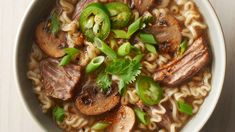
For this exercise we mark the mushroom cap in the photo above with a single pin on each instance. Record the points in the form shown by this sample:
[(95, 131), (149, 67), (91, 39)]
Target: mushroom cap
[(123, 120), (92, 101), (167, 31), (50, 44)]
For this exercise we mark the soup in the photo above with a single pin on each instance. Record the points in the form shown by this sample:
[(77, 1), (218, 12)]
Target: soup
[(121, 65)]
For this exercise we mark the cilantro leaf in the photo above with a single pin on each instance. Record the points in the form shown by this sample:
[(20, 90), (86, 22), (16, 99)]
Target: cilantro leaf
[(126, 70), (55, 22), (103, 81), (58, 114)]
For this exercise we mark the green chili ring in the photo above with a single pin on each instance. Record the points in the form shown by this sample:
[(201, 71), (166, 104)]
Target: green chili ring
[(120, 14), (95, 22), (149, 91)]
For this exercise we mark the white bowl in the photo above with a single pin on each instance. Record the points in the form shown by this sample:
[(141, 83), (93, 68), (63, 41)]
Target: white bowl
[(39, 9)]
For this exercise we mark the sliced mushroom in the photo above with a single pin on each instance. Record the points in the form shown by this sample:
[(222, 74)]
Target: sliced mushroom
[(143, 5), (167, 31), (51, 44), (80, 6), (59, 82), (92, 101), (123, 120)]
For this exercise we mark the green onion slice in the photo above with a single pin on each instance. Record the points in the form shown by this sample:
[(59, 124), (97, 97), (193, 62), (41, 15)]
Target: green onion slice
[(103, 47), (148, 38), (142, 116), (100, 126), (134, 27), (58, 114), (138, 58), (185, 108), (183, 47), (151, 48), (95, 64), (65, 60), (120, 34), (71, 51), (124, 49)]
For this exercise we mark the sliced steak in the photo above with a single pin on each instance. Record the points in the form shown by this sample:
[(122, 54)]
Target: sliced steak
[(59, 82), (80, 6), (185, 67), (92, 101), (167, 31)]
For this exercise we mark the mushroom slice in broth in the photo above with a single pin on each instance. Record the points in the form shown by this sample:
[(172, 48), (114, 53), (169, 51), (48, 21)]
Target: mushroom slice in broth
[(92, 101)]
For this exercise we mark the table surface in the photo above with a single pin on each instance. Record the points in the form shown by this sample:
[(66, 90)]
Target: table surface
[(13, 116)]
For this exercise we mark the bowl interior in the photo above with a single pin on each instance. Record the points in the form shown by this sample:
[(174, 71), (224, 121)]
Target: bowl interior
[(40, 8)]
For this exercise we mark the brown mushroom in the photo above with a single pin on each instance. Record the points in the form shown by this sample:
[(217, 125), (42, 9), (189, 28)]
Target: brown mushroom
[(92, 101), (167, 31), (142, 5), (59, 82), (50, 44), (122, 121)]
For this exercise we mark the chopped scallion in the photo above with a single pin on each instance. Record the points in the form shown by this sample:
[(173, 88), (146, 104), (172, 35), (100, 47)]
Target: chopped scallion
[(100, 126), (65, 60), (134, 27), (103, 47), (71, 53), (151, 48), (142, 116), (124, 49), (185, 108), (120, 34), (94, 64), (183, 47), (148, 38)]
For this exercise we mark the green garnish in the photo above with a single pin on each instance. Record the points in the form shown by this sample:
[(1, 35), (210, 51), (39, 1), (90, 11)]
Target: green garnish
[(100, 126), (103, 81), (125, 70), (120, 34), (151, 48), (148, 38), (124, 49), (184, 107), (183, 47), (58, 114), (55, 22), (103, 47), (134, 27), (70, 54), (142, 116), (148, 90), (94, 64)]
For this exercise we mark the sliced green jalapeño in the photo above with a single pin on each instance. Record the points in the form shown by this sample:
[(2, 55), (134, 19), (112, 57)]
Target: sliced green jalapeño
[(120, 14), (95, 22), (148, 90)]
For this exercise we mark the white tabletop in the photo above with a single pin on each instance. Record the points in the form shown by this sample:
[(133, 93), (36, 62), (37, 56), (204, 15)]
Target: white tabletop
[(13, 116)]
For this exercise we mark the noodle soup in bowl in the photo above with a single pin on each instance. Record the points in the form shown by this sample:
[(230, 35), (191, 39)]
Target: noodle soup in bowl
[(81, 65)]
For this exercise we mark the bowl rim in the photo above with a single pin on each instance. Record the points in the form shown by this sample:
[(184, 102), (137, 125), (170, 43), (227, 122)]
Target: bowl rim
[(41, 127)]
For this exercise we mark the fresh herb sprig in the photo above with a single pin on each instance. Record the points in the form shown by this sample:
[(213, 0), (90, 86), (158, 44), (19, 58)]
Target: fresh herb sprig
[(125, 70)]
